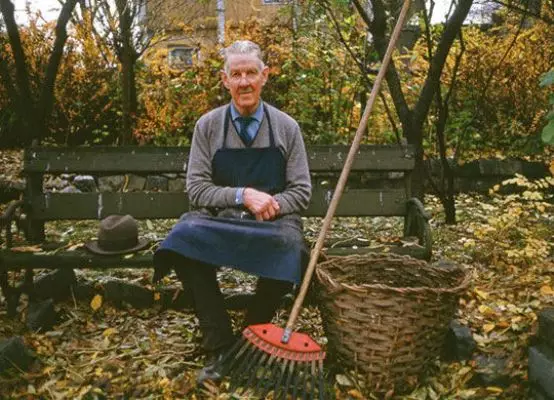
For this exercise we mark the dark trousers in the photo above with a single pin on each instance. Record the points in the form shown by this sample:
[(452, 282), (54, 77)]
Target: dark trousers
[(215, 323)]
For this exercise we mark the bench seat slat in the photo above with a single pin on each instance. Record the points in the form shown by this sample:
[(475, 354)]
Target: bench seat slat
[(157, 160), (160, 205)]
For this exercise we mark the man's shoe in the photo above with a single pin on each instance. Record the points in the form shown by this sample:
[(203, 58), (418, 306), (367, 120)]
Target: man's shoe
[(213, 367)]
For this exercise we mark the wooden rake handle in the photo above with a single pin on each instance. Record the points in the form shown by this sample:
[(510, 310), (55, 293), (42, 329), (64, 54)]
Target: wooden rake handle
[(344, 175)]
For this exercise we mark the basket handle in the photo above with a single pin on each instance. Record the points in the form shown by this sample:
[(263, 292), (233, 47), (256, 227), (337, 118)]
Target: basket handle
[(344, 175)]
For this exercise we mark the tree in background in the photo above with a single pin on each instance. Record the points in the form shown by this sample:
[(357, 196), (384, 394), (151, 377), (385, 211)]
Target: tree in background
[(32, 109)]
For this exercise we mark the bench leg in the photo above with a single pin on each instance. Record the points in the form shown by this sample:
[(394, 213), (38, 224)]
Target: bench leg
[(10, 293), (416, 223)]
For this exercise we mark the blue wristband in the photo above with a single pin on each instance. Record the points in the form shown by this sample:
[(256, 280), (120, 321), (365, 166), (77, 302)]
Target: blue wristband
[(238, 196)]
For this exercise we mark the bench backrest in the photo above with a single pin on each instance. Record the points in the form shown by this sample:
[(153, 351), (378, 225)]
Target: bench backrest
[(372, 164)]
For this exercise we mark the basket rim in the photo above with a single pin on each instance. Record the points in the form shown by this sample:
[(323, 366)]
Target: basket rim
[(325, 278)]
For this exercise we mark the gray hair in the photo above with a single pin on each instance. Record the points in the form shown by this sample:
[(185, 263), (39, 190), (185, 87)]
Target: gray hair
[(242, 47)]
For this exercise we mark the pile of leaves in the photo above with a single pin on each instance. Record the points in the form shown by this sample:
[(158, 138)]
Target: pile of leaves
[(505, 240)]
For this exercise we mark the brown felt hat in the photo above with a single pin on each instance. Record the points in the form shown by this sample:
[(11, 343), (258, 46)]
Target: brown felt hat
[(117, 234)]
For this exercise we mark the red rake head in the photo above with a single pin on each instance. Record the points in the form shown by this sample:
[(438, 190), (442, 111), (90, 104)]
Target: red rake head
[(267, 338)]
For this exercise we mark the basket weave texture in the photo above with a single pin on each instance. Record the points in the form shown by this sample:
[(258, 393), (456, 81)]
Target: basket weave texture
[(386, 315)]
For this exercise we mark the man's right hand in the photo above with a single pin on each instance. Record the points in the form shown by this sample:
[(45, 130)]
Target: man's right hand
[(261, 204)]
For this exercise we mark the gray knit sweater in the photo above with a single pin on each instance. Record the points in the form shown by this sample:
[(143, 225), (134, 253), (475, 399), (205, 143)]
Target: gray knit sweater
[(208, 138)]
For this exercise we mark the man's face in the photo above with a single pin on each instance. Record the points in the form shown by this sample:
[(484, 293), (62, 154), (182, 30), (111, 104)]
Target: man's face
[(244, 81)]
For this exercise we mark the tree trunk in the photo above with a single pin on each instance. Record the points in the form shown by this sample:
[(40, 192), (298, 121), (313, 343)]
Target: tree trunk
[(413, 120), (127, 59), (24, 103), (46, 100)]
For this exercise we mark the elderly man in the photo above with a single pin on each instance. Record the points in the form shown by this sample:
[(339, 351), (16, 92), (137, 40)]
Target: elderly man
[(247, 181)]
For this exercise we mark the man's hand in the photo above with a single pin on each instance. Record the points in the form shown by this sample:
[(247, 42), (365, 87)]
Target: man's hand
[(261, 204)]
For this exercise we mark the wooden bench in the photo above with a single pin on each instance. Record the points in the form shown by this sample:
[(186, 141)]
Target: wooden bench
[(379, 186)]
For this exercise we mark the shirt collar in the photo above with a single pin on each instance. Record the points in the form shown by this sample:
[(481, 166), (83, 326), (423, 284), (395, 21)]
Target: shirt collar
[(257, 115)]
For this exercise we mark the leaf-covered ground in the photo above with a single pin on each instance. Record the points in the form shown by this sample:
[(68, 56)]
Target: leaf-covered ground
[(99, 351)]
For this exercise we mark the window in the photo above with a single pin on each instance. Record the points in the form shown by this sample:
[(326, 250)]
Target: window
[(180, 57)]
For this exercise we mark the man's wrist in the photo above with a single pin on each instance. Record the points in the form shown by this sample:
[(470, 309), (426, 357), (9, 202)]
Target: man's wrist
[(239, 196)]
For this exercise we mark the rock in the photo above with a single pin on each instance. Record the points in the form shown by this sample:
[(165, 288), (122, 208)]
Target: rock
[(536, 393), (55, 285), (541, 369), (55, 184), (70, 189), (41, 316), (135, 183), (112, 183), (459, 344), (14, 355), (490, 371), (157, 183), (119, 292), (84, 290), (446, 264), (85, 183), (546, 327), (177, 185)]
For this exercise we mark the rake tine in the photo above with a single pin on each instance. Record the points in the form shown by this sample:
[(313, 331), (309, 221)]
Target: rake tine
[(245, 346), (275, 374), (305, 380), (289, 378), (256, 360), (312, 379), (266, 379), (231, 351), (283, 371), (320, 379), (239, 369), (297, 380)]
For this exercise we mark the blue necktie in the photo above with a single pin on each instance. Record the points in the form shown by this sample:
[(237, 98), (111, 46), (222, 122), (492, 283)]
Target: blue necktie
[(243, 133)]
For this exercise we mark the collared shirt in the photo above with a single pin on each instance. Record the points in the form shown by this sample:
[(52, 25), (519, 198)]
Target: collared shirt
[(254, 126), (252, 130)]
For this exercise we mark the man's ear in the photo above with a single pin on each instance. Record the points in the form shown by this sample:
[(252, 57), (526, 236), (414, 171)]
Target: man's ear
[(224, 78), (265, 74)]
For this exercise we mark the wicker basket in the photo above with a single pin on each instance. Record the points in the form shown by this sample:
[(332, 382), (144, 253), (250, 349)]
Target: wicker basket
[(386, 315)]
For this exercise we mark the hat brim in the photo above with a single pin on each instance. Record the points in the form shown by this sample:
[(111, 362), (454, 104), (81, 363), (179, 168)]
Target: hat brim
[(93, 247)]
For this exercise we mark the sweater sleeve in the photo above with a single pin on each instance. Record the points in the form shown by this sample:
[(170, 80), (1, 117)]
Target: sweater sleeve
[(296, 196), (201, 190)]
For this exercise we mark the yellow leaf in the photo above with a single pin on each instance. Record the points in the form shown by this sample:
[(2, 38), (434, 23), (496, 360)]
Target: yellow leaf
[(355, 394), (488, 327), (494, 389), (552, 167), (486, 310), (482, 294), (110, 331), (546, 290), (157, 296), (96, 302)]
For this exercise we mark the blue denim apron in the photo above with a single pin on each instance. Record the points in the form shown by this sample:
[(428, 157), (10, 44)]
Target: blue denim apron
[(271, 249)]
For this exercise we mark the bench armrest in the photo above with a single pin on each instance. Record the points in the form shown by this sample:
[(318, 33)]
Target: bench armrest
[(416, 223), (7, 218)]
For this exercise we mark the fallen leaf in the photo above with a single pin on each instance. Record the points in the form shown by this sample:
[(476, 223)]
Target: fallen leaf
[(482, 294), (546, 290), (355, 394), (494, 389), (96, 302), (488, 327), (157, 296), (26, 249), (110, 331), (486, 310)]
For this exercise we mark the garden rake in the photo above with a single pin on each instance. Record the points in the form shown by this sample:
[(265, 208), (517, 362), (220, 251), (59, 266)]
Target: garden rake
[(277, 359)]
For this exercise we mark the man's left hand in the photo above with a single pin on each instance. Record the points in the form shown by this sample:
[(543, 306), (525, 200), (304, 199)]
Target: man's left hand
[(262, 205)]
